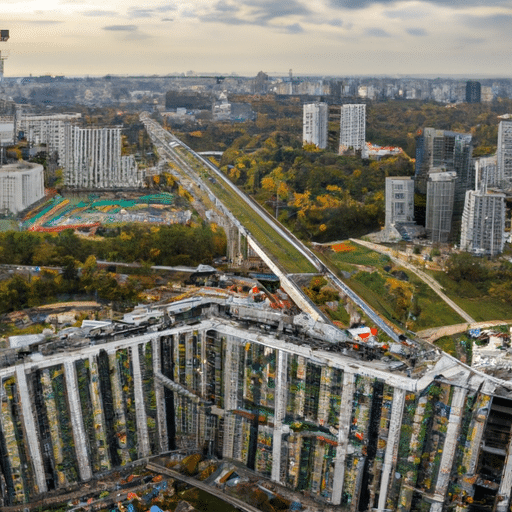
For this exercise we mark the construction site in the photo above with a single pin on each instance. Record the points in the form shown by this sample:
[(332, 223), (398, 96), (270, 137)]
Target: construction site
[(297, 402)]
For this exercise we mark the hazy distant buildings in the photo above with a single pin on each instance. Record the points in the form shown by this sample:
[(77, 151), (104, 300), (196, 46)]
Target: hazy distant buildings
[(352, 128), (261, 83), (315, 124), (6, 130), (440, 200), (487, 94), (473, 92), (483, 222), (504, 154), (93, 159), (21, 185)]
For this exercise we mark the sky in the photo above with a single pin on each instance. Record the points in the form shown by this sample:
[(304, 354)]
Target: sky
[(311, 37)]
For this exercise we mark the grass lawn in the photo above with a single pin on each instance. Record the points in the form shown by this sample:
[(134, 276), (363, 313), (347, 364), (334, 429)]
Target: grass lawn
[(481, 307), (282, 252), (358, 256), (447, 344), (434, 312), (341, 314)]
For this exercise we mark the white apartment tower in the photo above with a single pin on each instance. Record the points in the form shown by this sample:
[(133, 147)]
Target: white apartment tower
[(399, 200), (483, 222), (46, 129), (504, 154), (486, 172), (21, 185), (315, 124), (93, 159), (352, 128)]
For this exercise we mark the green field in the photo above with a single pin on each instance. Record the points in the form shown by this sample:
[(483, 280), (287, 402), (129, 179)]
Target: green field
[(359, 256), (481, 308), (434, 312), (8, 225)]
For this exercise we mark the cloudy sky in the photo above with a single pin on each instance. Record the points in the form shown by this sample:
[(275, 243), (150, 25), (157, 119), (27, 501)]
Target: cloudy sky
[(331, 37)]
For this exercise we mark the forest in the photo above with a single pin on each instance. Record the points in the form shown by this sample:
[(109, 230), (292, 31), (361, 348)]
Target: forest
[(317, 193), (159, 245)]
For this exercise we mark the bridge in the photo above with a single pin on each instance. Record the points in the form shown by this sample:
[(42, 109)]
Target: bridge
[(218, 185)]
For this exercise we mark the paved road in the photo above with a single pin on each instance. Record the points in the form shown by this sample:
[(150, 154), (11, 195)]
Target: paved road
[(235, 502)]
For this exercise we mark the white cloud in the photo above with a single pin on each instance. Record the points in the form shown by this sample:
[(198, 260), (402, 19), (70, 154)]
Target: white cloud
[(311, 36)]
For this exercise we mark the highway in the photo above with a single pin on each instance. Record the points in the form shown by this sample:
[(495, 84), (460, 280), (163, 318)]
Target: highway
[(167, 142)]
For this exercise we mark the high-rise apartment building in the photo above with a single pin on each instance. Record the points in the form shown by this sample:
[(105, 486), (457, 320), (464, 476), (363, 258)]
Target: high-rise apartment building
[(352, 128), (483, 222), (504, 154), (448, 150), (440, 200), (486, 172), (440, 150), (93, 159), (315, 124), (21, 185), (399, 200), (473, 92), (46, 129)]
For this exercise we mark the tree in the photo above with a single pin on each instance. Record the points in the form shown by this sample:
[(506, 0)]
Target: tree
[(70, 273)]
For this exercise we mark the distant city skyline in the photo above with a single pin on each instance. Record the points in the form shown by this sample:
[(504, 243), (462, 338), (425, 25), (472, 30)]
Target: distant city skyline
[(323, 37)]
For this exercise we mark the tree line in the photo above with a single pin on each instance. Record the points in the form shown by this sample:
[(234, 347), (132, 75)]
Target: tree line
[(319, 194), (77, 258)]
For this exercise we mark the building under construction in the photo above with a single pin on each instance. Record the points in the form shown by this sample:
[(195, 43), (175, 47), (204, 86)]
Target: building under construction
[(93, 159), (294, 400)]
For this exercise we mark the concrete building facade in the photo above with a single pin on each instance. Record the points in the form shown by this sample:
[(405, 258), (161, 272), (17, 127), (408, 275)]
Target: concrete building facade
[(504, 154), (486, 172), (315, 124), (450, 151), (483, 223), (93, 159), (235, 382), (21, 185), (46, 129), (399, 200), (352, 128), (440, 196)]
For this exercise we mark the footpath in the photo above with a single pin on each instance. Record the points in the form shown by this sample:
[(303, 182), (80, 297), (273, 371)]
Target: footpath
[(429, 280)]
